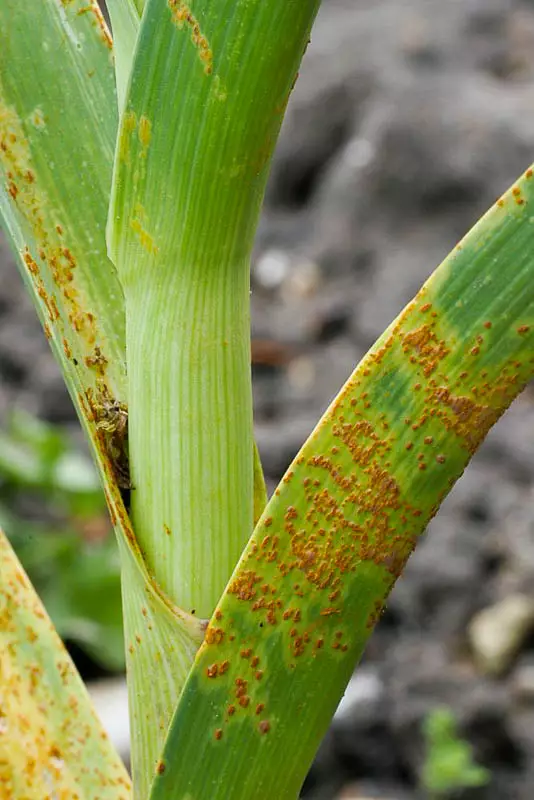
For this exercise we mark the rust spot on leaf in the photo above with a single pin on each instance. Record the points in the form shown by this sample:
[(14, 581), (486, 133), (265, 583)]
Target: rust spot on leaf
[(183, 16)]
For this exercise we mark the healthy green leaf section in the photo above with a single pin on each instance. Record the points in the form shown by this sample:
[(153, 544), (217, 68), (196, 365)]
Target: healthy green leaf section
[(183, 217), (315, 576), (51, 742), (260, 489), (125, 18)]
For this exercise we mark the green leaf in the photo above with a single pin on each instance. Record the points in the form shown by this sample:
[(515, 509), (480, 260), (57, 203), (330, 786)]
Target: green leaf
[(58, 124), (449, 762), (125, 18), (51, 742), (260, 489), (315, 576)]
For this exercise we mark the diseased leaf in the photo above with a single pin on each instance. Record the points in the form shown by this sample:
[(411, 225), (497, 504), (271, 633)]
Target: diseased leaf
[(315, 576), (51, 743), (58, 123)]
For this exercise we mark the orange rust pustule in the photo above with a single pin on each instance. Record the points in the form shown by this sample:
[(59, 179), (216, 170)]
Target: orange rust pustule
[(15, 155), (97, 362), (98, 22), (214, 635), (470, 421), (427, 348), (244, 585), (182, 15)]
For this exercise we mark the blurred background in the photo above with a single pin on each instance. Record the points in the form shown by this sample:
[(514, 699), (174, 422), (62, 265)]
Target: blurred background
[(409, 119)]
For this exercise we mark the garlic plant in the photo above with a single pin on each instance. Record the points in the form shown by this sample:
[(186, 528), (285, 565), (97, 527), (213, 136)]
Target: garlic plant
[(132, 178)]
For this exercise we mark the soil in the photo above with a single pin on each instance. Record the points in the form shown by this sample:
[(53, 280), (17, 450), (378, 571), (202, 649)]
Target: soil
[(409, 119)]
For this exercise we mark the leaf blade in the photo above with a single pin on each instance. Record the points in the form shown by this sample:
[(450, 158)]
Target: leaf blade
[(57, 136), (125, 20), (50, 738)]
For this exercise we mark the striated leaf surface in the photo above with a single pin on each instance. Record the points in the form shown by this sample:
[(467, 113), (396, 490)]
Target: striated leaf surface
[(182, 220), (209, 85), (125, 18)]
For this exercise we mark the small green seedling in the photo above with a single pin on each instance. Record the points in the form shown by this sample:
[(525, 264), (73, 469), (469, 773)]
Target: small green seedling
[(449, 764)]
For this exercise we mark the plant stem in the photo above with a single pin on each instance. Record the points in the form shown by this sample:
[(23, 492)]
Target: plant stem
[(209, 86), (194, 418)]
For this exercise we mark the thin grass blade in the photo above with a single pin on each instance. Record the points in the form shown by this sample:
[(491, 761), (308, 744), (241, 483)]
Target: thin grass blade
[(316, 574)]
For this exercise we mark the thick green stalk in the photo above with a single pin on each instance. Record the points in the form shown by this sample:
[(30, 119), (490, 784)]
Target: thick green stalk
[(209, 86), (192, 508)]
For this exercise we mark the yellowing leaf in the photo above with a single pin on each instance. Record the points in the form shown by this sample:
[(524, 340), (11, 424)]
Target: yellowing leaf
[(52, 746)]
